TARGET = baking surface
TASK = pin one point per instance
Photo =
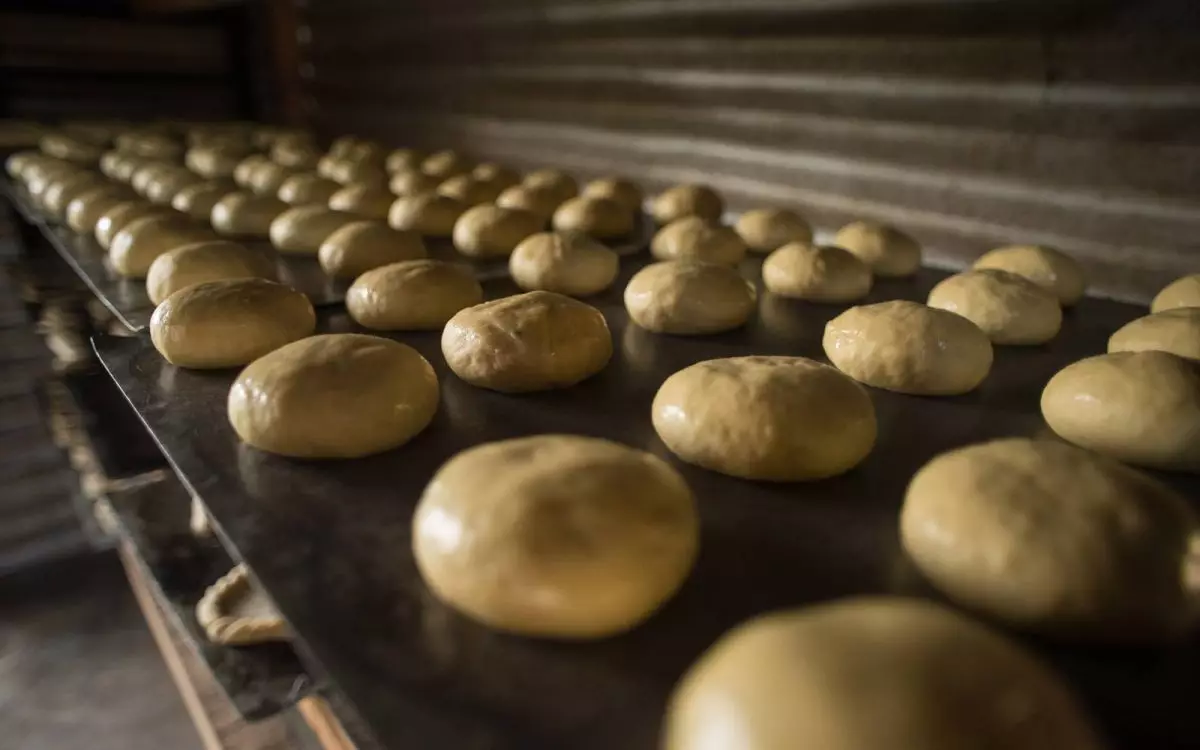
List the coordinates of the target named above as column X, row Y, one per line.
column 330, row 541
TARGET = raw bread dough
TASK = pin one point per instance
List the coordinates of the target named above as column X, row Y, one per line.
column 1009, row 308
column 869, row 673
column 359, row 246
column 403, row 160
column 121, row 215
column 780, row 419
column 246, row 215
column 557, row 536
column 535, row 341
column 363, row 200
column 909, row 348
column 1048, row 268
column 687, row 200
column 689, row 297
column 295, row 154
column 492, row 232
column 1048, row 537
column 307, row 189
column 1175, row 330
column 888, row 251
column 166, row 185
column 623, row 191
column 543, row 202
column 818, row 273
column 269, row 177
column 61, row 192
column 496, row 175
column 147, row 173
column 413, row 295
column 229, row 323
column 243, row 173
column 233, row 612
column 559, row 184
column 429, row 214
column 469, row 190
column 1138, row 407
column 85, row 209
column 142, row 240
column 767, row 229
column 213, row 163
column 197, row 200
column 695, row 238
column 338, row 395
column 412, row 183
column 1182, row 292
column 601, row 218
column 16, row 164
column 445, row 164
column 205, row 261
column 69, row 149
column 302, row 229
column 569, row 263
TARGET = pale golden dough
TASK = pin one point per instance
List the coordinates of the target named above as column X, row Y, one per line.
column 348, row 172
column 125, row 167
column 412, row 183
column 363, row 200
column 150, row 145
column 149, row 171
column 403, row 160
column 205, row 261
column 1182, row 292
column 302, row 229
column 556, row 536
column 297, row 155
column 1044, row 266
column 817, row 273
column 163, row 188
column 357, row 247
column 60, row 193
column 767, row 229
column 1175, row 330
column 118, row 216
column 16, row 164
column 558, row 183
column 243, row 173
column 242, row 214
column 498, row 176
column 888, row 251
column 780, row 419
column 334, row 396
column 269, row 177
column 307, row 189
column 413, row 295
column 565, row 262
column 229, row 323
column 213, row 162
column 602, row 218
column 535, row 341
column 469, row 190
column 428, row 214
column 542, row 202
column 493, row 232
column 1047, row 537
column 85, row 209
column 695, row 238
column 688, row 297
column 197, row 200
column 70, row 149
column 623, row 191
column 142, row 240
column 1009, row 308
column 687, row 200
column 445, row 164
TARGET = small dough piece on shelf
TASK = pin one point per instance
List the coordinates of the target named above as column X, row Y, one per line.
column 205, row 261
column 498, row 176
column 1175, row 330
column 688, row 297
column 357, row 247
column 198, row 199
column 142, row 240
column 403, row 160
column 565, row 262
column 696, row 238
column 269, row 177
column 1182, row 292
column 687, row 200
column 301, row 230
column 493, row 232
column 233, row 612
column 307, row 189
column 888, row 251
column 363, row 200
column 623, row 191
column 116, row 218
column 166, row 185
column 602, row 218
column 412, row 183
column 817, row 273
column 428, row 214
column 246, row 215
column 445, row 164
column 243, row 173
column 469, row 190
column 85, row 209
column 555, row 181
column 542, row 202
column 1044, row 266
column 413, row 295
column 1010, row 309
column 765, row 230
column 214, row 163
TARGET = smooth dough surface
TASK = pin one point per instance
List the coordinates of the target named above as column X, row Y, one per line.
column 496, row 175
column 493, row 232
column 817, row 273
column 601, row 218
column 557, row 536
column 269, row 177
column 1044, row 266
column 198, row 199
column 429, row 214
column 302, row 229
column 535, row 341
column 1142, row 408
column 1175, row 330
column 1182, row 292
column 165, row 186
column 767, row 229
column 247, row 215
column 116, row 218
column 243, row 173
column 888, row 251
column 142, row 240
column 569, row 263
column 687, row 200
column 696, row 238
column 1044, row 536
column 412, row 183
column 623, row 191
column 1009, row 308
column 556, row 182
column 445, row 164
column 359, row 246
column 59, row 195
column 307, row 189
column 403, row 160
column 85, row 209
column 413, row 295
column 909, row 348
column 469, row 190
column 367, row 201
column 541, row 202
column 781, row 419
column 205, row 261
column 688, row 297
column 339, row 395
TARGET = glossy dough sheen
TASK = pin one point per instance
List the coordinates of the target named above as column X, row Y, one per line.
column 366, row 201
column 556, row 536
column 334, row 396
column 529, row 342
column 781, row 419
column 359, row 246
column 1009, row 308
column 687, row 200
column 493, row 232
column 246, row 215
column 429, row 214
column 1046, row 267
column 205, row 261
column 1175, row 330
column 565, row 262
column 540, row 202
column 136, row 246
column 197, row 200
column 888, row 251
column 116, row 218
column 307, row 189
column 909, row 348
column 301, row 230
column 1183, row 292
column 85, row 209
column 767, row 229
column 1048, row 537
column 620, row 190
column 872, row 673
column 415, row 295
column 688, row 297
column 695, row 238
column 601, row 218
column 816, row 273
column 559, row 184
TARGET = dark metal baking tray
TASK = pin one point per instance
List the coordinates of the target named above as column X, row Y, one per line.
column 116, row 436
column 331, row 540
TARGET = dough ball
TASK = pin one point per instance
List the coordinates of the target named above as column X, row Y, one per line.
column 1009, row 308
column 205, row 261
column 817, row 273
column 119, row 216
column 428, row 214
column 445, row 164
column 403, row 160
column 413, row 295
column 1047, row 537
column 85, row 209
column 694, row 238
column 308, row 190
column 1183, row 292
column 493, row 232
column 469, row 190
column 623, row 191
column 767, row 229
column 357, row 247
column 601, row 218
column 498, row 176
column 243, row 173
column 213, row 163
column 352, row 172
column 366, row 201
column 149, row 171
column 125, row 167
column 557, row 536
column 689, row 297
column 69, row 149
column 780, row 419
column 565, row 262
column 888, row 251
column 297, row 155
column 535, row 341
column 229, row 323
column 412, row 183
column 269, row 177
column 1176, row 330
column 198, row 199
column 541, row 202
column 334, row 396
column 246, row 215
column 1138, row 407
column 60, row 193
column 302, row 229
column 17, row 163
column 163, row 188
column 136, row 246
column 869, row 673
column 687, row 200
column 559, row 184
column 1048, row 268
column 907, row 347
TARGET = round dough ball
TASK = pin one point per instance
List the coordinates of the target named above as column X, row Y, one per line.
column 70, row 149
column 1142, row 408
column 869, row 673
column 1183, row 292
column 357, row 247
column 908, row 347
column 412, row 183
column 535, row 341
column 302, row 229
column 308, row 189
column 817, row 273
column 269, row 177
column 243, row 173
column 557, row 536
column 779, row 419
column 540, row 202
column 246, row 215
column 1009, row 308
column 493, row 232
column 214, row 163
column 58, row 195
column 496, row 175
column 694, row 238
column 413, row 295
column 295, row 154
column 197, row 200
column 125, row 167
column 1047, row 537
column 363, row 200
column 166, row 185
column 85, row 209
column 149, row 171
column 601, row 218
column 445, row 164
column 142, row 240
column 1048, row 268
column 556, row 182
column 623, row 191
column 205, row 261
column 116, row 218
column 565, row 262
column 347, row 172
column 1176, row 330
column 403, row 160
column 689, row 297
column 767, row 229
column 229, row 323
column 687, row 200
column 17, row 163
column 469, row 190
column 428, row 214
column 888, row 251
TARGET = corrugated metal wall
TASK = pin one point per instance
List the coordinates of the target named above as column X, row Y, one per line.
column 969, row 123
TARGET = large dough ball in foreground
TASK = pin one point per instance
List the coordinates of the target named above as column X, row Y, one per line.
column 229, row 323
column 198, row 199
column 767, row 229
column 1138, row 407
column 695, row 238
column 364, row 200
column 782, row 419
column 1182, row 292
column 1048, row 537
column 535, row 341
column 334, row 396
column 1009, row 308
column 136, row 246
column 872, row 673
column 302, row 229
column 556, row 536
column 121, row 215
column 414, row 295
column 601, row 218
column 909, row 348
column 569, row 263
column 687, row 200
column 888, row 251
column 817, row 273
column 205, row 261
column 1175, row 330
column 623, row 191
column 246, row 215
column 688, row 297
column 428, row 214
column 492, row 231
column 1044, row 266
column 359, row 246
